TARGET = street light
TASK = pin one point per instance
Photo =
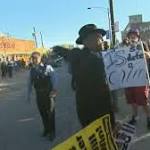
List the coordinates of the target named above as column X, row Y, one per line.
column 108, row 15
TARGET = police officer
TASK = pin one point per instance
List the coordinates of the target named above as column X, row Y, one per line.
column 10, row 66
column 92, row 94
column 4, row 68
column 43, row 78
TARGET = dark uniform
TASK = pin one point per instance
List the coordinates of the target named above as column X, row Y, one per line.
column 92, row 93
column 4, row 69
column 41, row 79
column 10, row 66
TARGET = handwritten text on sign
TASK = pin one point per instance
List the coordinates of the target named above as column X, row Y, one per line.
column 125, row 67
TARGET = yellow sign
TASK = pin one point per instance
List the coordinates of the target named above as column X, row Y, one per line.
column 97, row 136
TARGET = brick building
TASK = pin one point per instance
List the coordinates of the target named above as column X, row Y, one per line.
column 16, row 48
column 136, row 21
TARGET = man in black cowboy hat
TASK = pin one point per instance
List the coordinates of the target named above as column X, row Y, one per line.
column 92, row 93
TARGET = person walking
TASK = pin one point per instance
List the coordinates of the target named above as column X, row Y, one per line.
column 10, row 66
column 4, row 68
column 43, row 78
column 92, row 93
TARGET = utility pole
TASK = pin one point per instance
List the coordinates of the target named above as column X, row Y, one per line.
column 42, row 39
column 34, row 36
column 112, row 22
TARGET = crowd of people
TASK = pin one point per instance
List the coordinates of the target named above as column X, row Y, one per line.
column 86, row 66
column 8, row 66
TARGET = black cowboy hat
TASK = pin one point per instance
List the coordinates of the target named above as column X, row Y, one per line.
column 86, row 29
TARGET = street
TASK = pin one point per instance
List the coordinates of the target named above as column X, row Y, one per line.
column 20, row 125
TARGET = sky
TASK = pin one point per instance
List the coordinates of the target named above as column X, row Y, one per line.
column 60, row 20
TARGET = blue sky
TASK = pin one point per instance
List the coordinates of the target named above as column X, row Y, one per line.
column 60, row 20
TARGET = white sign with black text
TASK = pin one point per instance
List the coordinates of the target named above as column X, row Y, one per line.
column 125, row 67
column 125, row 136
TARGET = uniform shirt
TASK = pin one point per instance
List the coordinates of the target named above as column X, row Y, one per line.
column 48, row 71
column 10, row 63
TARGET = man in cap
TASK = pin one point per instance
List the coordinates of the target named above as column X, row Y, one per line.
column 138, row 96
column 92, row 93
column 43, row 78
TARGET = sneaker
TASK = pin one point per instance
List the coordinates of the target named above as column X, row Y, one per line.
column 148, row 123
column 133, row 121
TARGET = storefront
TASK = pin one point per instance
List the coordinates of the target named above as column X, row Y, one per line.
column 16, row 48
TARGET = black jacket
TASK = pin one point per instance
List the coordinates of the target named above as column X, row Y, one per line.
column 92, row 93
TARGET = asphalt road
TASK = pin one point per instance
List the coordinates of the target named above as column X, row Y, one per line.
column 20, row 123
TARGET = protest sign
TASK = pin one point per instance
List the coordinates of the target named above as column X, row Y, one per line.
column 125, row 135
column 96, row 136
column 125, row 67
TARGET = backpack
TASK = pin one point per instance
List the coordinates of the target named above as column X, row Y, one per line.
column 41, row 79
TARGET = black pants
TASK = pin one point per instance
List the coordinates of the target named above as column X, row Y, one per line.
column 85, row 121
column 44, row 104
column 92, row 106
column 4, row 73
column 10, row 72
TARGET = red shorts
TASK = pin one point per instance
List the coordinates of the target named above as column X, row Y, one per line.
column 137, row 95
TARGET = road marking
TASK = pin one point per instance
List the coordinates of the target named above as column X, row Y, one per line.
column 2, row 89
column 7, row 84
column 136, row 139
column 141, row 138
column 26, row 119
